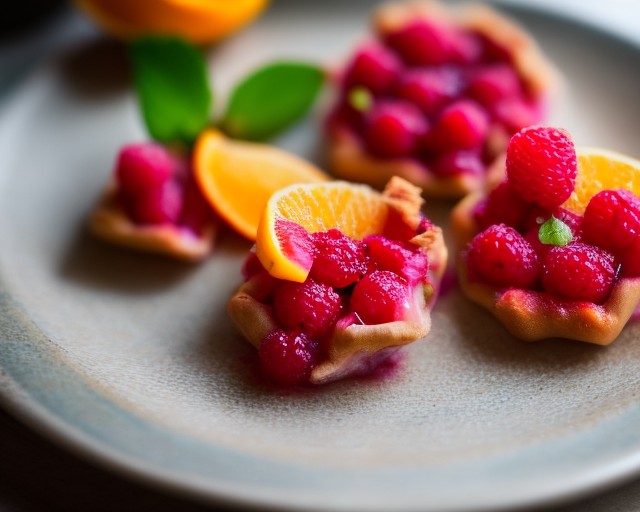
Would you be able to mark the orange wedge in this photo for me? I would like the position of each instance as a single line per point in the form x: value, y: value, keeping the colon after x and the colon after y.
x: 198, y: 21
x: 237, y: 177
x: 601, y: 169
x: 356, y: 210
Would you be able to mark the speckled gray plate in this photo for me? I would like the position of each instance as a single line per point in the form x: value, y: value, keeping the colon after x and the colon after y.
x: 131, y: 361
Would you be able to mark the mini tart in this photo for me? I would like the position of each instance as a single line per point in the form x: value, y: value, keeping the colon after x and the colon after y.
x: 533, y: 315
x: 355, y: 348
x: 349, y: 159
x: 110, y: 222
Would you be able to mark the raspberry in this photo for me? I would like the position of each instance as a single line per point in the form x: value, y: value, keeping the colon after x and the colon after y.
x: 430, y: 89
x: 542, y: 165
x: 401, y: 259
x: 502, y: 206
x: 196, y: 212
x: 612, y: 219
x: 393, y: 129
x: 462, y: 125
x: 143, y: 167
x: 491, y: 84
x: 373, y: 67
x: 538, y: 216
x: 517, y: 113
x: 502, y: 257
x: 160, y: 205
x: 579, y: 272
x: 339, y: 259
x: 456, y: 163
x: 310, y: 306
x: 381, y: 297
x: 425, y: 43
x: 630, y: 260
x: 288, y: 357
x: 251, y: 266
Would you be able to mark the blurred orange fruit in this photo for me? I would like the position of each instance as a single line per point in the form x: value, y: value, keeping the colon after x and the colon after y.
x: 601, y: 169
x: 282, y: 244
x: 237, y: 177
x: 197, y: 21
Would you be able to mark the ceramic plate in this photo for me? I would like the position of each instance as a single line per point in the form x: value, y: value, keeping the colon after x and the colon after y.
x: 131, y: 360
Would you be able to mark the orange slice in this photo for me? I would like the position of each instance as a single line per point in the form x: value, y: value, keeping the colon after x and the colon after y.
x: 198, y: 21
x: 601, y: 169
x: 356, y: 210
x: 237, y: 177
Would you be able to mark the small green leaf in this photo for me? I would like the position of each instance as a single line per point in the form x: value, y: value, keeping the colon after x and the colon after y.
x: 271, y: 99
x: 555, y: 232
x: 360, y: 99
x: 171, y: 80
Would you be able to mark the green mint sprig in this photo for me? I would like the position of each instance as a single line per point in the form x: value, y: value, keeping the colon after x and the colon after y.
x: 176, y: 97
x: 555, y: 232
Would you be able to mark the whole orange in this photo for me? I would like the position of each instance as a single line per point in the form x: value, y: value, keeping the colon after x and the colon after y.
x: 198, y: 21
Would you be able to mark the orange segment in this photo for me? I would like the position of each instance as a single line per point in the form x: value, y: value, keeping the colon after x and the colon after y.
x: 237, y: 177
x: 198, y: 21
x: 356, y: 210
x: 601, y: 169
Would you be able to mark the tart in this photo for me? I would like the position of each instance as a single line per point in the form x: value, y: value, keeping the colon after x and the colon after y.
x: 554, y: 251
x: 332, y: 295
x: 154, y: 205
x: 435, y: 97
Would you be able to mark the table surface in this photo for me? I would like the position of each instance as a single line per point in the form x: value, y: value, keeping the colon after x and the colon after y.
x: 36, y: 474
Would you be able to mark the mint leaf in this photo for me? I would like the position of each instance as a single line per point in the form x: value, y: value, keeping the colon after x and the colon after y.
x: 360, y: 99
x: 271, y: 99
x: 171, y: 80
x: 555, y: 232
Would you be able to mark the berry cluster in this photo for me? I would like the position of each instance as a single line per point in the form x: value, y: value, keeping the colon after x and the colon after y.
x: 369, y: 282
x: 433, y: 92
x: 155, y: 187
x: 528, y: 240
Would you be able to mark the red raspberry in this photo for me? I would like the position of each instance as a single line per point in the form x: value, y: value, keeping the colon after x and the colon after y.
x: 630, y: 260
x: 288, y: 357
x: 462, y: 125
x: 579, y: 272
x: 339, y: 259
x: 161, y: 205
x: 402, y: 259
x: 393, y: 129
x: 251, y: 266
x: 425, y: 43
x: 430, y: 89
x: 373, y: 67
x: 612, y: 219
x: 542, y: 165
x: 502, y: 206
x: 311, y: 307
x: 381, y: 297
x: 491, y: 84
x: 143, y: 167
x: 501, y: 256
x: 196, y: 212
x: 456, y: 163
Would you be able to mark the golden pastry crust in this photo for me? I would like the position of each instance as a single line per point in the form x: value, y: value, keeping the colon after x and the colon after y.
x: 110, y: 222
x: 353, y: 347
x: 349, y: 160
x: 531, y: 315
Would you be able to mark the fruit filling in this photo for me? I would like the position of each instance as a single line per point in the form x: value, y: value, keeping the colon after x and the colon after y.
x: 439, y: 91
x: 155, y: 187
x: 370, y: 281
x: 333, y: 293
x: 154, y: 204
x: 548, y: 230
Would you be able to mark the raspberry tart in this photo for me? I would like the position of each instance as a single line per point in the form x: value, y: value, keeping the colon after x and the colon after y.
x: 435, y: 97
x: 341, y: 277
x: 553, y: 250
x: 153, y: 204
